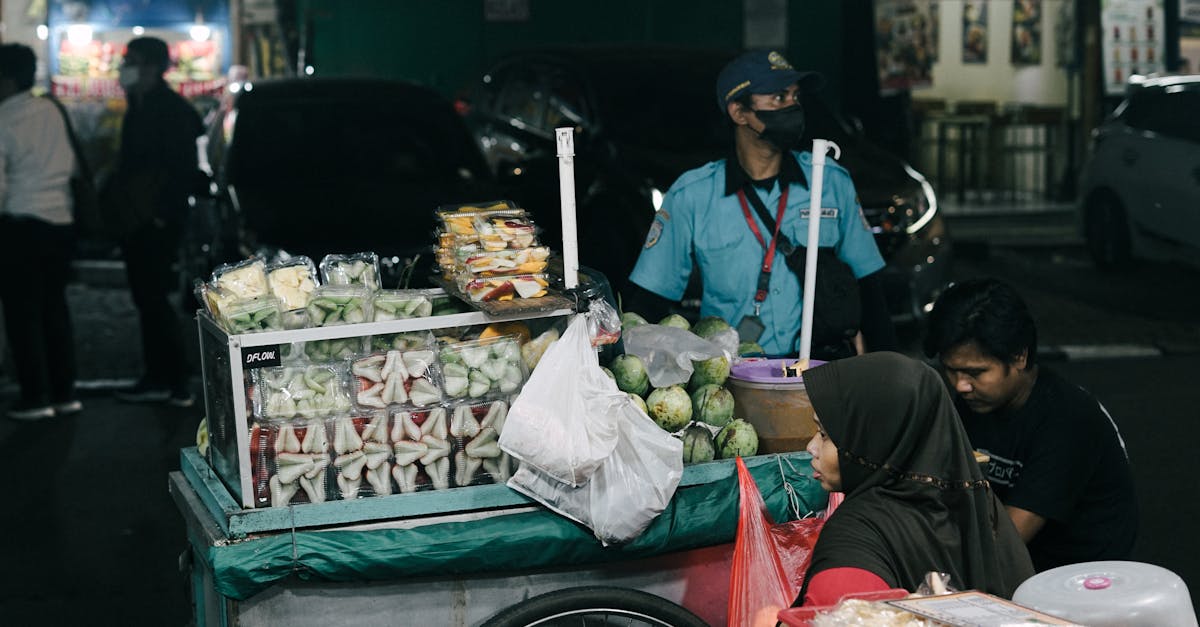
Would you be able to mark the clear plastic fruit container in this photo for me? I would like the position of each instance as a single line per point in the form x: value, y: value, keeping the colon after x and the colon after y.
x: 502, y: 288
x: 483, y: 369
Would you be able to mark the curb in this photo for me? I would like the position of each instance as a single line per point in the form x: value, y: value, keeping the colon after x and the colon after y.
x: 1081, y: 352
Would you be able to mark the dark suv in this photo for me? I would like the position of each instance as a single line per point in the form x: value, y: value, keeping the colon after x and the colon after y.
x: 643, y: 116
x: 314, y: 166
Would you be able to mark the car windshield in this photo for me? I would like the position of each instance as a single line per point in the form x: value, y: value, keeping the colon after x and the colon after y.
x: 324, y: 140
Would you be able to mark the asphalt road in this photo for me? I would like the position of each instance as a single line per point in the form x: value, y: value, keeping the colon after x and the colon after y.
x: 91, y: 536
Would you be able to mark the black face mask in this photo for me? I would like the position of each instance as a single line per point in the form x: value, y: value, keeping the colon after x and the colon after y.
x: 784, y: 128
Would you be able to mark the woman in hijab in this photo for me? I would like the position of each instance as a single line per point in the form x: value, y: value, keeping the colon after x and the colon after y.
x: 916, y: 501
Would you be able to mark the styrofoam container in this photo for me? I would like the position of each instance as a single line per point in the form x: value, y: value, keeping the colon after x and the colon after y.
x: 1101, y: 594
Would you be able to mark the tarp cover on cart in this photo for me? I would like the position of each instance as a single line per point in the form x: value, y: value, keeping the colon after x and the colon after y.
x: 700, y: 515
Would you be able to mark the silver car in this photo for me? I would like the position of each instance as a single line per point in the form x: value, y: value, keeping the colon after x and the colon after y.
x: 1141, y: 188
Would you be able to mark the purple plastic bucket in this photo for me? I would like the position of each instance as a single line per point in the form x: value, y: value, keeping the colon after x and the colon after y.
x: 767, y: 371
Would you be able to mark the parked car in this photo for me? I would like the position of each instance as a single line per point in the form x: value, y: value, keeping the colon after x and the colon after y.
x: 645, y: 115
x: 1140, y: 193
x: 319, y: 165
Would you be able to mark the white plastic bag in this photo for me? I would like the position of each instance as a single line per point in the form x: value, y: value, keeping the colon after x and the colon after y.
x: 565, y: 421
x: 629, y: 490
x: 668, y: 352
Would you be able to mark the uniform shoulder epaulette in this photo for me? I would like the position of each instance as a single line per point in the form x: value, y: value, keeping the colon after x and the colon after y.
x: 696, y: 175
x: 830, y: 164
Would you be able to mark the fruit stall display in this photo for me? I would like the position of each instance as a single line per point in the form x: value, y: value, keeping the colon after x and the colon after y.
x: 321, y: 386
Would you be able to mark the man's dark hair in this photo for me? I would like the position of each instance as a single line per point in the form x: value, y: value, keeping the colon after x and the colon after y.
x: 152, y: 50
x: 988, y: 312
x: 18, y: 63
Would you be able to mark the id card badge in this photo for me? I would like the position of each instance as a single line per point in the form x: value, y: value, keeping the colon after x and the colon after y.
x: 751, y: 328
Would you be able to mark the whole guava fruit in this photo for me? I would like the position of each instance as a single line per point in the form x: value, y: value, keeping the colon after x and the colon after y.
x: 698, y: 445
x: 712, y: 404
x: 630, y: 319
x: 629, y: 371
x: 737, y: 439
x: 714, y: 370
x: 670, y: 407
x: 709, y: 326
x: 637, y: 400
x: 751, y: 349
x: 677, y: 321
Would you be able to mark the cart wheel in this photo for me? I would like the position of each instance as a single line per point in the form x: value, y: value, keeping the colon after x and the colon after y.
x: 594, y: 606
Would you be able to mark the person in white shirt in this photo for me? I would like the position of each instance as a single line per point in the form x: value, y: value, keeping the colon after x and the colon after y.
x: 36, y: 241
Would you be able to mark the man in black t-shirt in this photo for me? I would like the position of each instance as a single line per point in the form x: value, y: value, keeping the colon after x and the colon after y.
x: 1058, y: 462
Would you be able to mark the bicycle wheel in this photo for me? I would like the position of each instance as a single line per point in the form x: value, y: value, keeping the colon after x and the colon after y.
x: 593, y: 606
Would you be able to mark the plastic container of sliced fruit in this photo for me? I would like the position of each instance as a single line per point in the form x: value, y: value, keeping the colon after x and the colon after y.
x: 339, y: 304
x: 245, y: 279
x: 531, y: 260
x: 402, y: 304
x: 357, y: 269
x: 480, y: 369
x: 293, y: 281
x: 483, y: 289
x: 253, y: 315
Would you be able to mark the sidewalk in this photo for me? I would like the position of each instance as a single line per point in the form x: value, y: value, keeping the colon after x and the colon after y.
x: 1031, y: 222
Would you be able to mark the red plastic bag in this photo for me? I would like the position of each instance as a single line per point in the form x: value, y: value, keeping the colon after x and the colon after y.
x: 769, y: 560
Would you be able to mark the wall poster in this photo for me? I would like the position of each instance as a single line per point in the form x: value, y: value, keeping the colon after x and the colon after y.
x: 1132, y: 41
x: 974, y: 31
x: 905, y: 43
x: 1027, y: 32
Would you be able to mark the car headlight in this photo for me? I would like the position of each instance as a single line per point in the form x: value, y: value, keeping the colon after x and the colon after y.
x: 911, y: 210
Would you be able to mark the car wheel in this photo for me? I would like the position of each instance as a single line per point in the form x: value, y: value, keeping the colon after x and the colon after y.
x: 1106, y: 229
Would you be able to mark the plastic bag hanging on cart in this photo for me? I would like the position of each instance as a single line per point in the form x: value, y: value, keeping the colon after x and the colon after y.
x: 769, y: 560
x: 629, y: 490
x: 565, y: 421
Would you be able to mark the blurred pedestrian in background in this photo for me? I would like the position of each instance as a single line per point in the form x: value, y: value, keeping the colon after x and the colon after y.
x: 147, y: 199
x: 36, y: 164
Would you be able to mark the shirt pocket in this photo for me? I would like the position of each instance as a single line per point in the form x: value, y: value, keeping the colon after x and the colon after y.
x: 728, y: 264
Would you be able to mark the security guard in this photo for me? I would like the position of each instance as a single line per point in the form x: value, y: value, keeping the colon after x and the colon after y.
x: 709, y: 219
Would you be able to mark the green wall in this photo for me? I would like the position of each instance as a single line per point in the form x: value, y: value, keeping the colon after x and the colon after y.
x: 446, y: 44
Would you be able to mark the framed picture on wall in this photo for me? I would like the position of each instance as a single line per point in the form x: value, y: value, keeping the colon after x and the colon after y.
x: 904, y: 44
x: 1027, y: 32
x: 974, y: 31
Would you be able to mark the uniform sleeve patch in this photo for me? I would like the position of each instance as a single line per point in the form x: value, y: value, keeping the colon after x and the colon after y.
x: 655, y: 232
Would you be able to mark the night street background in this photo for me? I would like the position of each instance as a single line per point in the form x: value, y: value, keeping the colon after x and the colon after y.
x: 92, y: 536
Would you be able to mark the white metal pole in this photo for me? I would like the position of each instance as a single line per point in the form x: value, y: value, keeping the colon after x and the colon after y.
x: 566, y: 190
x: 820, y: 147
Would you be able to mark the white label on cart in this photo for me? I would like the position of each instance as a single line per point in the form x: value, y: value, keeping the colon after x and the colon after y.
x: 260, y: 357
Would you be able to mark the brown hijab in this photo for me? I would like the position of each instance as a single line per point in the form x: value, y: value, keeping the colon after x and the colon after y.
x: 916, y: 500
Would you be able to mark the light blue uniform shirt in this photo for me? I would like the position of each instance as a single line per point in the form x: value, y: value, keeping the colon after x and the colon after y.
x: 700, y: 224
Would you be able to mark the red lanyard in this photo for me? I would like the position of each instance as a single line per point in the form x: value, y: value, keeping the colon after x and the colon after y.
x: 764, y: 276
